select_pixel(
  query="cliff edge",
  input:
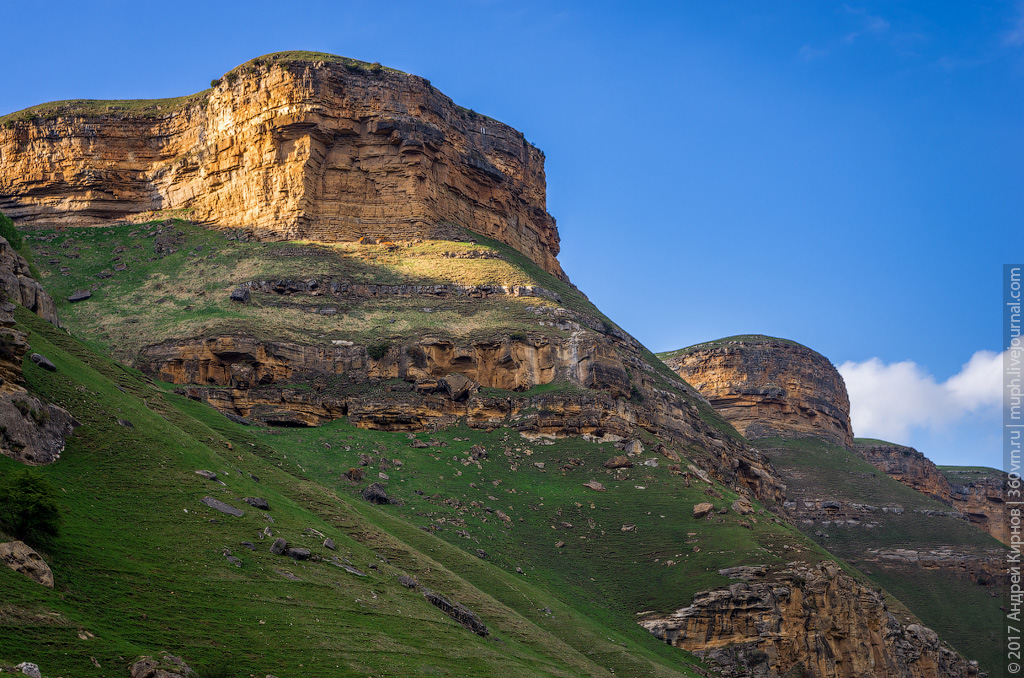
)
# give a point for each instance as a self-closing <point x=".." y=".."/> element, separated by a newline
<point x="289" y="146"/>
<point x="767" y="387"/>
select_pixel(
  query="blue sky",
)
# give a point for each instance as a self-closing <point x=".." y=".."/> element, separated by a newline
<point x="847" y="175"/>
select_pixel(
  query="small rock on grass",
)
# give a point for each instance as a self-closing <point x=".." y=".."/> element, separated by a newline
<point x="257" y="502"/>
<point x="218" y="505"/>
<point x="43" y="362"/>
<point x="703" y="509"/>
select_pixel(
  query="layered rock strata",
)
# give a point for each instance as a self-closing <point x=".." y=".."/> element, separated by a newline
<point x="980" y="496"/>
<point x="285" y="148"/>
<point x="815" y="620"/>
<point x="32" y="431"/>
<point x="767" y="387"/>
<point x="609" y="390"/>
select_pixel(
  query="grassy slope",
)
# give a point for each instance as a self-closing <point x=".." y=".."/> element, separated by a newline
<point x="142" y="574"/>
<point x="963" y="613"/>
<point x="186" y="294"/>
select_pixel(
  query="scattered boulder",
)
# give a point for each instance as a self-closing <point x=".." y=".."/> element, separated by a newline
<point x="234" y="561"/>
<point x="355" y="475"/>
<point x="457" y="611"/>
<point x="743" y="506"/>
<point x="297" y="553"/>
<point x="478" y="452"/>
<point x="418" y="444"/>
<point x="209" y="475"/>
<point x="278" y="547"/>
<point x="634" y="448"/>
<point x="43" y="362"/>
<point x="703" y="509"/>
<point x="257" y="502"/>
<point x="329" y="544"/>
<point x="620" y="461"/>
<point x="629" y="527"/>
<point x="166" y="666"/>
<point x="218" y="505"/>
<point x="594" y="485"/>
<point x="375" y="494"/>
<point x="79" y="295"/>
<point x="249" y="545"/>
<point x="241" y="295"/>
<point x="125" y="423"/>
<point x="18" y="556"/>
<point x="29" y="669"/>
<point x="407" y="581"/>
<point x="653" y="463"/>
<point x="559" y="544"/>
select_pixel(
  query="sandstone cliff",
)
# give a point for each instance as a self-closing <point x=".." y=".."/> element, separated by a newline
<point x="767" y="387"/>
<point x="976" y="494"/>
<point x="606" y="389"/>
<point x="288" y="147"/>
<point x="805" y="621"/>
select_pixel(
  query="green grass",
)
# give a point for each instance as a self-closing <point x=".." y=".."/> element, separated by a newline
<point x="139" y="564"/>
<point x="185" y="294"/>
<point x="969" y="474"/>
<point x="152" y="108"/>
<point x="610" y="573"/>
<point x="749" y="338"/>
<point x="963" y="613"/>
<point x="92" y="108"/>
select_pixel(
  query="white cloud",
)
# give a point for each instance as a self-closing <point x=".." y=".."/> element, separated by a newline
<point x="888" y="401"/>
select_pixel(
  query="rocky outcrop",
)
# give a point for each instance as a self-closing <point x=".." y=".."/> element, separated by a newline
<point x="32" y="431"/>
<point x="979" y="495"/>
<point x="813" y="619"/>
<point x="609" y="390"/>
<point x="20" y="557"/>
<point x="906" y="465"/>
<point x="767" y="387"/>
<point x="18" y="285"/>
<point x="164" y="666"/>
<point x="285" y="148"/>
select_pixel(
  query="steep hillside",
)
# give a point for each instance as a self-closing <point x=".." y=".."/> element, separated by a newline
<point x="361" y="279"/>
<point x="894" y="530"/>
<point x="977" y="493"/>
<point x="143" y="563"/>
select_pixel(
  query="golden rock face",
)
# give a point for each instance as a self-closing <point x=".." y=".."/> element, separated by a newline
<point x="817" y="617"/>
<point x="769" y="387"/>
<point x="306" y="150"/>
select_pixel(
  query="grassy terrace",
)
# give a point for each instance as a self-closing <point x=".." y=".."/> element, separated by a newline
<point x="152" y="108"/>
<point x="88" y="108"/>
<point x="179" y="285"/>
<point x="750" y="338"/>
